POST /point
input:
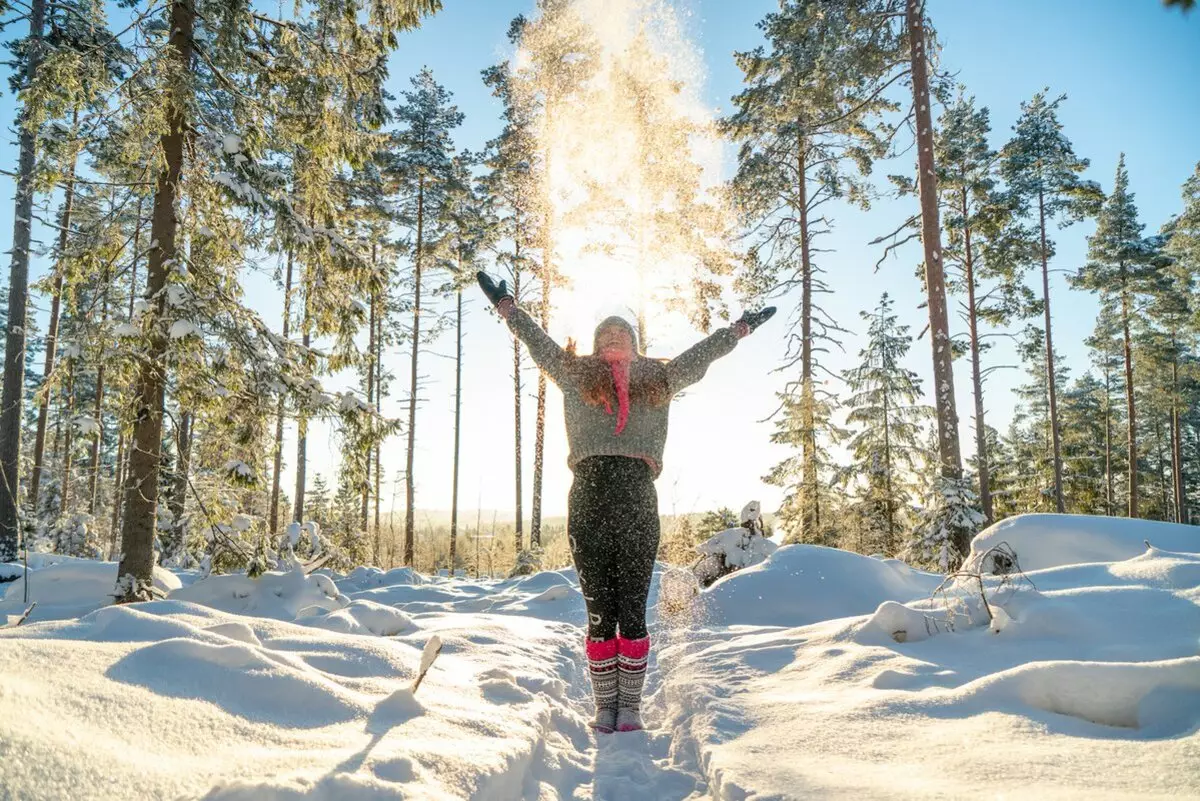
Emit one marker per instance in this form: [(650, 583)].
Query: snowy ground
[(816, 674)]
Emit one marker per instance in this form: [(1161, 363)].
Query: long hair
[(593, 377)]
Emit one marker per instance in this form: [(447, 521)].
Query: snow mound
[(281, 596), (65, 587), (1043, 540), (803, 584), (363, 578), (366, 617)]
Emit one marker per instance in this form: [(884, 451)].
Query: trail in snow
[(788, 683)]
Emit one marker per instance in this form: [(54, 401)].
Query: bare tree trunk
[(539, 436), (409, 482), (68, 439), (517, 406), (141, 493), (931, 237), (119, 468), (1164, 495), (1129, 399), (18, 298), (302, 423), (887, 467), (98, 411), (277, 467), (981, 455), (811, 518), (381, 299), (39, 443), (457, 429), (1051, 377), (1177, 441), (1108, 473), (183, 468), (366, 487)]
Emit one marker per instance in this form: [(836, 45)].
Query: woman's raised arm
[(690, 366), (546, 353)]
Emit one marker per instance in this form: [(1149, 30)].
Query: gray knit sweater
[(591, 431)]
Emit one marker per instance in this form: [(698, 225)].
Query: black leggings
[(612, 525)]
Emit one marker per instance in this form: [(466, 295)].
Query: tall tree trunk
[(409, 482), (381, 299), (183, 468), (539, 436), (277, 467), (1051, 378), (931, 237), (517, 407), (141, 491), (39, 443), (1159, 442), (119, 469), (366, 487), (98, 411), (1177, 440), (457, 428), (1129, 399), (1108, 453), (887, 472), (13, 391), (811, 517), (68, 454), (981, 456), (302, 420)]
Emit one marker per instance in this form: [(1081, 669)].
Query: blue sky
[(1127, 66)]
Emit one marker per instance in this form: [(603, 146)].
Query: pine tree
[(884, 402), (807, 124), (513, 189), (1121, 265), (984, 243), (1105, 348), (1042, 173), (466, 233), (423, 168)]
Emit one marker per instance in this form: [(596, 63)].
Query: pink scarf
[(620, 374)]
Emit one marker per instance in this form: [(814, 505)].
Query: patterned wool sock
[(602, 664), (632, 656)]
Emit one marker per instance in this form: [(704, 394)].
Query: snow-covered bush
[(951, 515)]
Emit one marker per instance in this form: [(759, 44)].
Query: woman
[(615, 405)]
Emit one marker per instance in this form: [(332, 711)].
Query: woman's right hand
[(496, 293)]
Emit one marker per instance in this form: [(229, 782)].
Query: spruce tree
[(1042, 172), (885, 405), (1121, 266)]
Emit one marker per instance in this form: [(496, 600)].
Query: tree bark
[(98, 411), (517, 406), (1177, 440), (183, 467), (1130, 403), (1108, 473), (39, 443), (141, 493), (366, 487), (381, 299), (302, 421), (457, 429), (277, 467), (67, 461), (1051, 377), (981, 455), (811, 516), (119, 469), (13, 392), (409, 482), (949, 453), (539, 436), (931, 237)]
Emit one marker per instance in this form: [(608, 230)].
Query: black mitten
[(753, 320), (495, 292)]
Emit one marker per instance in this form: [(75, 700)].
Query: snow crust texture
[(814, 674)]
